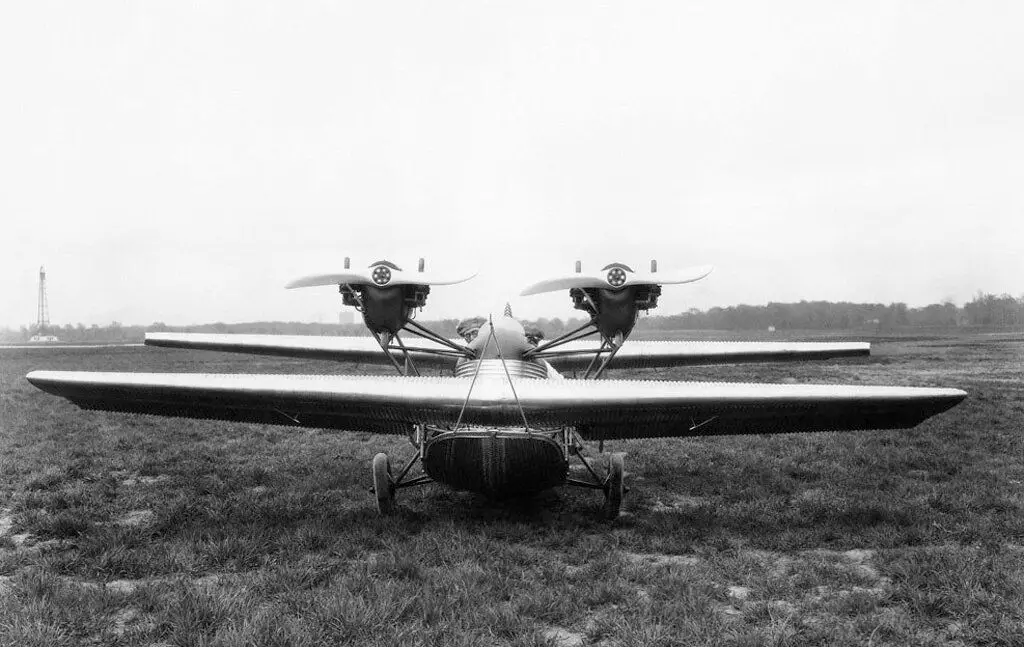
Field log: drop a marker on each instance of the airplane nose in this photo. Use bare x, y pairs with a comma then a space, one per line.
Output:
500, 334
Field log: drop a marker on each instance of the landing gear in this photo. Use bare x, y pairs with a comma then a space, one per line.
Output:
613, 487
611, 483
383, 484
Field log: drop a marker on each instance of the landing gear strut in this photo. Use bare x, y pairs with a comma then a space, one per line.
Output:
613, 487
383, 484
611, 483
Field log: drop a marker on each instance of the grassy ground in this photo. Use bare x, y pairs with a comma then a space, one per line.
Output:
134, 530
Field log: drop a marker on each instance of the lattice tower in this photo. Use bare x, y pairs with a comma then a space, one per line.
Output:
43, 319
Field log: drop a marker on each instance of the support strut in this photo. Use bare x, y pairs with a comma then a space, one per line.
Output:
572, 335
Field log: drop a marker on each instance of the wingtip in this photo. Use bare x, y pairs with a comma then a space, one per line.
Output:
39, 378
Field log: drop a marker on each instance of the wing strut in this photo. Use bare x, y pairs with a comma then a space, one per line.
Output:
410, 366
616, 344
597, 356
384, 340
427, 333
562, 339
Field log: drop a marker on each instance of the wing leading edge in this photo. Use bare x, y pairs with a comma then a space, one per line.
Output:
658, 354
352, 349
599, 409
633, 354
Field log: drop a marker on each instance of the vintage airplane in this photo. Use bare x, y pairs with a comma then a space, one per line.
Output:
504, 421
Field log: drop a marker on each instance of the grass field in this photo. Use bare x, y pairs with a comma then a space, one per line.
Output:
137, 531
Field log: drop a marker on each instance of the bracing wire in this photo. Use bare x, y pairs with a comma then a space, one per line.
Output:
522, 412
472, 383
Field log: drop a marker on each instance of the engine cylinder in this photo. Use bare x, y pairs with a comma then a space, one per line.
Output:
497, 368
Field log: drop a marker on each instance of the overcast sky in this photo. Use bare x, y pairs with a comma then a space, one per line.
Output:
179, 162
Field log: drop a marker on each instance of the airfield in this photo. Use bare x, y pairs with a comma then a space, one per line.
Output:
134, 530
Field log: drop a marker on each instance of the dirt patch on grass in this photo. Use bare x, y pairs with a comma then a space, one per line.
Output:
6, 521
128, 619
855, 561
859, 554
561, 637
738, 592
678, 503
133, 481
136, 518
727, 611
776, 564
127, 587
21, 539
661, 559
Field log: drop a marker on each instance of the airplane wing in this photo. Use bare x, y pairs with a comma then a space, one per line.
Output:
352, 349
656, 354
599, 408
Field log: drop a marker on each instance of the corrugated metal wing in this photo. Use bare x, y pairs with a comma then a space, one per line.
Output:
599, 409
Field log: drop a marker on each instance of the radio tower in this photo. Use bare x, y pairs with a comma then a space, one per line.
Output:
43, 320
43, 315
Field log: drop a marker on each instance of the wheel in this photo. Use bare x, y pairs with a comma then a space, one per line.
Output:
383, 484
613, 488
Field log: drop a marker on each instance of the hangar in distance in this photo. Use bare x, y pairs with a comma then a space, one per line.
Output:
504, 420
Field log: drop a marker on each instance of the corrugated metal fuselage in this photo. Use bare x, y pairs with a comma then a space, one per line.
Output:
496, 462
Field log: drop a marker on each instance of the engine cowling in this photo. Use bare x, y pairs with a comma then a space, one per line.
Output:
385, 309
614, 312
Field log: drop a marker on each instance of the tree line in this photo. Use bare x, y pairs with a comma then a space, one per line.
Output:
985, 310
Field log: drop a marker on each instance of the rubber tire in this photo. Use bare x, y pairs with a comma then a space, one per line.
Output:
613, 486
383, 484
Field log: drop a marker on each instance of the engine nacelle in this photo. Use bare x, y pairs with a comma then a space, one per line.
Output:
385, 309
614, 312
